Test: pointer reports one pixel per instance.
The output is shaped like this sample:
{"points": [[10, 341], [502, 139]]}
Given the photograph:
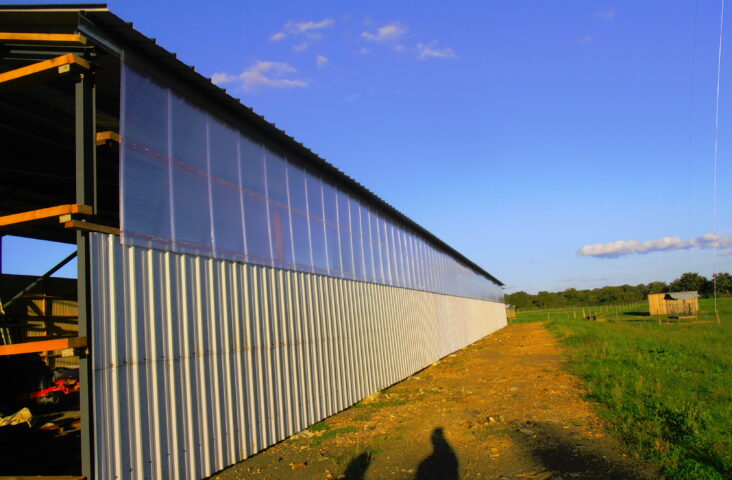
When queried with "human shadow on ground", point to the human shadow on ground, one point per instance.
{"points": [[441, 464], [579, 457], [356, 469]]}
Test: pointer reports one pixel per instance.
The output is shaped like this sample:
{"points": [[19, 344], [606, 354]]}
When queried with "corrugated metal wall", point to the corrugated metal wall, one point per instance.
{"points": [[200, 363]]}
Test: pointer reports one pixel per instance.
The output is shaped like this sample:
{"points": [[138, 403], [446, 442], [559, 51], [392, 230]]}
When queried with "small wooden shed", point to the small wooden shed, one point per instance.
{"points": [[677, 304]]}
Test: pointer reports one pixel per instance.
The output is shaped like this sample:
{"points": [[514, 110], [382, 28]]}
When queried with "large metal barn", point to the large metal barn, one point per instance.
{"points": [[233, 287]]}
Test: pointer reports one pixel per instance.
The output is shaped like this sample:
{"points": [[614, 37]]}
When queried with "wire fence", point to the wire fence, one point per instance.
{"points": [[594, 308]]}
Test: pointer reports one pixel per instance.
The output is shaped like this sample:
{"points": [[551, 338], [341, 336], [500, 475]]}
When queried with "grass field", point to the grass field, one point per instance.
{"points": [[666, 389]]}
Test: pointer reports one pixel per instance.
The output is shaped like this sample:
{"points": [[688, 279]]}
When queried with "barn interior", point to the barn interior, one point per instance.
{"points": [[59, 124]]}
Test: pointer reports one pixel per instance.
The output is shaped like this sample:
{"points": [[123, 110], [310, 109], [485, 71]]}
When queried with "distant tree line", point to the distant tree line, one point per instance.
{"points": [[612, 295]]}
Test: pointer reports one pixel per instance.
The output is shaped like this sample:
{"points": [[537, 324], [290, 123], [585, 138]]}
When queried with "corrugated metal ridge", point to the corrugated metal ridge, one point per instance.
{"points": [[111, 23]]}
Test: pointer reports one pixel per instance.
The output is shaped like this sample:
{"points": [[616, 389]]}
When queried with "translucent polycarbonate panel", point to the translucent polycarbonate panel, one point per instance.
{"points": [[279, 211], [368, 246], [396, 274], [416, 261], [145, 162], [400, 257], [424, 285], [430, 262], [296, 179], [384, 249], [192, 183], [227, 207], [406, 261], [256, 222], [332, 240], [376, 248], [403, 256], [413, 262], [314, 191], [280, 231], [426, 268], [357, 241], [344, 232]]}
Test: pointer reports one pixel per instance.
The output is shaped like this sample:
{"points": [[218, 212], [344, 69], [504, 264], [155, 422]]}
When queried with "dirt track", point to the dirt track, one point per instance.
{"points": [[502, 408]]}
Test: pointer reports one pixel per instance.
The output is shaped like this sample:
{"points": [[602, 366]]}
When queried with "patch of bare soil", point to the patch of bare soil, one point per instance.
{"points": [[502, 408]]}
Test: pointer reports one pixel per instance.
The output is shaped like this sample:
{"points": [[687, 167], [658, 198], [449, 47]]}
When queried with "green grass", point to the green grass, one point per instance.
{"points": [[377, 405], [572, 313], [666, 389], [319, 426]]}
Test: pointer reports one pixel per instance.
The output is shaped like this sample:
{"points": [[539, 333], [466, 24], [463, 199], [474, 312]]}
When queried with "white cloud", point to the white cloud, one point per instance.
{"points": [[388, 33], [321, 60], [622, 248], [300, 47], [364, 51], [219, 78], [277, 36], [425, 51], [263, 74], [587, 39], [609, 14], [298, 28], [302, 27]]}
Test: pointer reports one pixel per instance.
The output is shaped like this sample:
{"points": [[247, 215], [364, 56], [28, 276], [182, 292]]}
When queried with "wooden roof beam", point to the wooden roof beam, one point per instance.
{"points": [[43, 346], [44, 214], [104, 137], [42, 38], [91, 227], [45, 70]]}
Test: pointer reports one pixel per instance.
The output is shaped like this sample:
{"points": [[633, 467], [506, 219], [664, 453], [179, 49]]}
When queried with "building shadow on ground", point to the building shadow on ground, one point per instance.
{"points": [[441, 464], [581, 458]]}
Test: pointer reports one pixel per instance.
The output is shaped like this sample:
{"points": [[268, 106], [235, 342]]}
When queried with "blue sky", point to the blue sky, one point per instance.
{"points": [[518, 132]]}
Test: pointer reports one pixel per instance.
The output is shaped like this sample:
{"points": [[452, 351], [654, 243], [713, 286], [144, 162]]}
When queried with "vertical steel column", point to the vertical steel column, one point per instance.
{"points": [[86, 160]]}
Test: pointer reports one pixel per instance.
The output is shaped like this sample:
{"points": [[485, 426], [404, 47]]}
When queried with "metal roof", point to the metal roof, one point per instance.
{"points": [[682, 295], [124, 35]]}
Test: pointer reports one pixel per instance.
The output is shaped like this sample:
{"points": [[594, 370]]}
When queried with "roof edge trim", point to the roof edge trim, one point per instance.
{"points": [[60, 7]]}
